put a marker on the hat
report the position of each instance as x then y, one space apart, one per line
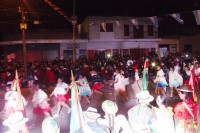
185 88
9 83
109 107
15 119
144 96
93 72
91 109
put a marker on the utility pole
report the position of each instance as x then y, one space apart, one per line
23 27
74 23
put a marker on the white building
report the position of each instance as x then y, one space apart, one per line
114 35
119 35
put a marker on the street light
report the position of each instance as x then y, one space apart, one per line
23 27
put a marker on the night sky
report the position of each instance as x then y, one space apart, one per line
50 19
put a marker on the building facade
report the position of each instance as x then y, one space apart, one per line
105 35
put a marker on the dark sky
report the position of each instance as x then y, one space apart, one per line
39 10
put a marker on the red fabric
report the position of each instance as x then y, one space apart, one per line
3 76
135 66
147 64
38 110
97 86
186 82
62 98
181 113
50 77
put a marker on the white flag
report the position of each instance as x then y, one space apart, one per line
176 16
197 16
135 23
103 25
117 23
154 20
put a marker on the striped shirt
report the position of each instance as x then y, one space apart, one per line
140 118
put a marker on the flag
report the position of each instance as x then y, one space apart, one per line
16 87
103 25
154 20
197 16
176 16
20 104
192 85
144 79
77 123
117 23
135 23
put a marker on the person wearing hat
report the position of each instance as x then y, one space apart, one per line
185 112
142 116
116 123
16 123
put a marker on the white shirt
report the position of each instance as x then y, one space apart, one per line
39 96
62 85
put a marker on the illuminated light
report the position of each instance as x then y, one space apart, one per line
36 22
153 64
23 26
108 55
186 55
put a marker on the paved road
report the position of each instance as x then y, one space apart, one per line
35 121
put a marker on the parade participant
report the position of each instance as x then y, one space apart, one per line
96 83
186 74
86 70
175 80
116 123
11 100
49 76
84 88
160 81
185 112
164 114
16 123
120 84
60 92
142 117
40 103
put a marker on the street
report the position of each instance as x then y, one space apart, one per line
35 121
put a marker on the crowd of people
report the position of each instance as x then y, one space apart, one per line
172 73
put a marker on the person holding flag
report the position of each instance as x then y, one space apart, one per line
17 103
77 122
142 117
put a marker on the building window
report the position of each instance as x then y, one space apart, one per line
126 30
138 33
150 30
109 27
